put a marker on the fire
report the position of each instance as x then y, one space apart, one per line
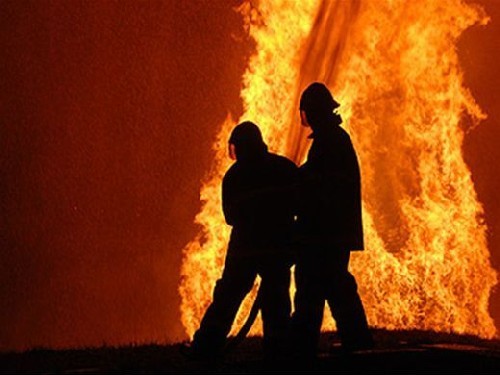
393 66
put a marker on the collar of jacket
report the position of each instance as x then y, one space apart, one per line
253 158
318 133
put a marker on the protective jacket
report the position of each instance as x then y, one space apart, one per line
330 192
258 202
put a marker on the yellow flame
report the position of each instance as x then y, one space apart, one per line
393 66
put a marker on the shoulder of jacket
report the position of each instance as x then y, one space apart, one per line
283 160
233 169
344 135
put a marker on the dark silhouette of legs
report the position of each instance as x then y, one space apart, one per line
321 276
236 282
345 303
309 303
276 307
230 290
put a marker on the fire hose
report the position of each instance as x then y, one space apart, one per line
242 333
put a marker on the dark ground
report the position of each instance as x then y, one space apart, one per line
395 352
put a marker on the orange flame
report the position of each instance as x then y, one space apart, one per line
393 66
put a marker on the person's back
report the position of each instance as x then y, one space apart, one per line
257 200
330 226
330 207
258 203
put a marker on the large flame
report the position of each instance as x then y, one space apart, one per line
393 66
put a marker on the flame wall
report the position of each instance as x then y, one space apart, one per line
394 68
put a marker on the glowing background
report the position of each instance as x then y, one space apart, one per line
108 111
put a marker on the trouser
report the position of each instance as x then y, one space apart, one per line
237 280
320 276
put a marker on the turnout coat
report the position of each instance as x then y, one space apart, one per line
330 192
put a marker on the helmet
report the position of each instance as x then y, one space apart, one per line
247 139
317 99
